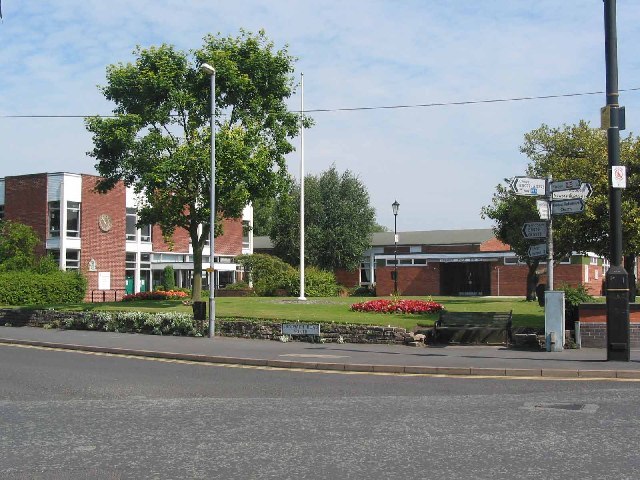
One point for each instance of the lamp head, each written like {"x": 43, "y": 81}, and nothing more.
{"x": 205, "y": 67}
{"x": 395, "y": 205}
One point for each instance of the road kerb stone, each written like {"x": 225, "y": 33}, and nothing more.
{"x": 330, "y": 366}
{"x": 597, "y": 373}
{"x": 421, "y": 370}
{"x": 389, "y": 368}
{"x": 490, "y": 372}
{"x": 358, "y": 367}
{"x": 523, "y": 372}
{"x": 454, "y": 371}
{"x": 630, "y": 374}
{"x": 559, "y": 373}
{"x": 279, "y": 363}
{"x": 255, "y": 362}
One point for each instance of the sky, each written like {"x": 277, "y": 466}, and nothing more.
{"x": 441, "y": 163}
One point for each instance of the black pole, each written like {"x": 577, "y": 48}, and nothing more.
{"x": 395, "y": 253}
{"x": 617, "y": 280}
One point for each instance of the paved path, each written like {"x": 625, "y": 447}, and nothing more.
{"x": 449, "y": 360}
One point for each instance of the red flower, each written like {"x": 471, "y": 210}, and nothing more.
{"x": 397, "y": 306}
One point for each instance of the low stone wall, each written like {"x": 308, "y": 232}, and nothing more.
{"x": 247, "y": 328}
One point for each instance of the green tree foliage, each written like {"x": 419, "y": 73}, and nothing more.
{"x": 17, "y": 246}
{"x": 338, "y": 221}
{"x": 159, "y": 140}
{"x": 168, "y": 278}
{"x": 510, "y": 212}
{"x": 570, "y": 152}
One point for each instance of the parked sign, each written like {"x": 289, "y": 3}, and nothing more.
{"x": 529, "y": 186}
{"x": 583, "y": 192}
{"x": 539, "y": 250}
{"x": 534, "y": 230}
{"x": 565, "y": 207}
{"x": 619, "y": 176}
{"x": 565, "y": 185}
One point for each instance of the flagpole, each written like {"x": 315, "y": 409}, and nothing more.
{"x": 302, "y": 297}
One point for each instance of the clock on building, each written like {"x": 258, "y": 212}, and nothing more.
{"x": 104, "y": 222}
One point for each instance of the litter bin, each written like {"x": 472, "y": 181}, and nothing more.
{"x": 199, "y": 310}
{"x": 540, "y": 293}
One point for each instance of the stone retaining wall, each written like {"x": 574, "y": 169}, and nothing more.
{"x": 227, "y": 327}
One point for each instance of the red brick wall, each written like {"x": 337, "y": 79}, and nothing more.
{"x": 26, "y": 202}
{"x": 180, "y": 240}
{"x": 573, "y": 275}
{"x": 106, "y": 248}
{"x": 513, "y": 280}
{"x": 412, "y": 281}
{"x": 348, "y": 278}
{"x": 230, "y": 242}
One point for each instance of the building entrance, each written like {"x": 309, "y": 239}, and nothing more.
{"x": 465, "y": 278}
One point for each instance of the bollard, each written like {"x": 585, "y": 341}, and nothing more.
{"x": 577, "y": 335}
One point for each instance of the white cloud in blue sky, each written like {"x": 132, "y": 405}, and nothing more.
{"x": 441, "y": 163}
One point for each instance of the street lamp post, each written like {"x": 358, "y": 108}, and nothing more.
{"x": 395, "y": 205}
{"x": 205, "y": 67}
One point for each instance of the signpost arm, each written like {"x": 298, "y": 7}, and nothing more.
{"x": 549, "y": 237}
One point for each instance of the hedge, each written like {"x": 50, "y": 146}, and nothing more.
{"x": 30, "y": 288}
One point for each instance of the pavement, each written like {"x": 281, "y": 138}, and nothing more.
{"x": 463, "y": 360}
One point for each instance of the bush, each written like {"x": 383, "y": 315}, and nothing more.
{"x": 574, "y": 296}
{"x": 237, "y": 286}
{"x": 162, "y": 323}
{"x": 31, "y": 288}
{"x": 317, "y": 283}
{"x": 168, "y": 278}
{"x": 268, "y": 273}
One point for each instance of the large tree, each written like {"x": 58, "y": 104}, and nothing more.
{"x": 570, "y": 152}
{"x": 510, "y": 212}
{"x": 339, "y": 221}
{"x": 159, "y": 138}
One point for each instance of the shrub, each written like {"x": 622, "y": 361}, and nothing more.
{"x": 268, "y": 273}
{"x": 317, "y": 283}
{"x": 237, "y": 286}
{"x": 168, "y": 278}
{"x": 574, "y": 296}
{"x": 397, "y": 306}
{"x": 31, "y": 288}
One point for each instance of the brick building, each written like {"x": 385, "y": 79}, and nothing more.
{"x": 458, "y": 263}
{"x": 96, "y": 234}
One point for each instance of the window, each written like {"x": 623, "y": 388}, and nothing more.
{"x": 511, "y": 261}
{"x": 145, "y": 233}
{"x": 54, "y": 219}
{"x": 73, "y": 260}
{"x": 132, "y": 218}
{"x": 73, "y": 219}
{"x": 130, "y": 261}
{"x": 246, "y": 228}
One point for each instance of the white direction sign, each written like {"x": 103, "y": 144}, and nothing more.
{"x": 534, "y": 230}
{"x": 583, "y": 192}
{"x": 538, "y": 250}
{"x": 565, "y": 207}
{"x": 543, "y": 209}
{"x": 565, "y": 185}
{"x": 529, "y": 186}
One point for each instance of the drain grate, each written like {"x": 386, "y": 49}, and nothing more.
{"x": 567, "y": 407}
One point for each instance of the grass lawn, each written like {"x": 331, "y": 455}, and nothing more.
{"x": 334, "y": 309}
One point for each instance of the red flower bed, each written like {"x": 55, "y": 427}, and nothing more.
{"x": 156, "y": 295}
{"x": 397, "y": 306}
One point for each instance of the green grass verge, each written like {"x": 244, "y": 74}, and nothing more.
{"x": 334, "y": 309}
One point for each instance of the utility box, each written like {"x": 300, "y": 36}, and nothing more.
{"x": 554, "y": 320}
{"x": 618, "y": 329}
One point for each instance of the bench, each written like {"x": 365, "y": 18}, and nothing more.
{"x": 473, "y": 327}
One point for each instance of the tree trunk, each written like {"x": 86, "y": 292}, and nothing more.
{"x": 532, "y": 281}
{"x": 629, "y": 266}
{"x": 196, "y": 293}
